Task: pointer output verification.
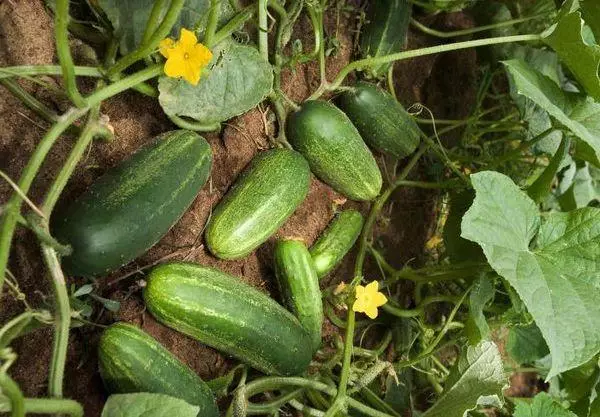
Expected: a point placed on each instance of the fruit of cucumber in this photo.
(334, 149)
(261, 200)
(229, 315)
(299, 286)
(385, 31)
(336, 241)
(381, 120)
(128, 209)
(133, 361)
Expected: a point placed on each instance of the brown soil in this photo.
(26, 35)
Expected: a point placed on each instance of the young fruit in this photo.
(229, 315)
(381, 120)
(334, 149)
(133, 361)
(128, 209)
(299, 286)
(336, 241)
(260, 201)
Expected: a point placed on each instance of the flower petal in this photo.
(175, 65)
(372, 312)
(379, 299)
(192, 73)
(201, 55)
(165, 45)
(372, 287)
(360, 290)
(187, 39)
(359, 305)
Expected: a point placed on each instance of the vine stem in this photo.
(263, 29)
(61, 27)
(48, 406)
(234, 24)
(213, 20)
(11, 390)
(399, 56)
(25, 70)
(153, 21)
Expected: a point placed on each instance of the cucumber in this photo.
(127, 210)
(334, 149)
(336, 241)
(385, 31)
(299, 286)
(381, 120)
(133, 361)
(229, 315)
(261, 200)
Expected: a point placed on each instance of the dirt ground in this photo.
(445, 84)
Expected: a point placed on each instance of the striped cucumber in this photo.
(133, 361)
(381, 120)
(260, 201)
(128, 209)
(299, 286)
(229, 315)
(334, 149)
(336, 241)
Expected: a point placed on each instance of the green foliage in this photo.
(554, 274)
(579, 186)
(147, 405)
(479, 374)
(481, 294)
(542, 406)
(237, 79)
(526, 344)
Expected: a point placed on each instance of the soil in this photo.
(445, 84)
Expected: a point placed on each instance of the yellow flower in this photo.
(186, 57)
(368, 299)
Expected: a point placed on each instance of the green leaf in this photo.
(579, 186)
(458, 248)
(591, 15)
(478, 376)
(237, 79)
(542, 186)
(559, 104)
(147, 405)
(582, 58)
(556, 276)
(481, 294)
(526, 344)
(129, 18)
(542, 406)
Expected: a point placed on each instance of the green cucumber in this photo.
(299, 286)
(336, 241)
(127, 210)
(261, 200)
(229, 315)
(385, 31)
(334, 149)
(133, 361)
(381, 120)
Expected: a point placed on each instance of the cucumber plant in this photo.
(515, 250)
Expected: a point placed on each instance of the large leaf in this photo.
(580, 185)
(591, 15)
(237, 79)
(556, 276)
(129, 18)
(526, 344)
(479, 374)
(147, 405)
(567, 108)
(583, 58)
(542, 406)
(457, 248)
(481, 294)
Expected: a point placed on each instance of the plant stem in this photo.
(370, 62)
(14, 394)
(28, 100)
(263, 29)
(61, 33)
(194, 125)
(24, 70)
(146, 49)
(316, 17)
(50, 406)
(464, 32)
(124, 84)
(213, 20)
(153, 20)
(234, 24)
(420, 309)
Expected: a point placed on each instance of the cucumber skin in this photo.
(299, 286)
(336, 241)
(265, 195)
(381, 120)
(127, 210)
(133, 361)
(334, 149)
(228, 315)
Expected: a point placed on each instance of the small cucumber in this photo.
(127, 210)
(229, 315)
(336, 241)
(299, 286)
(334, 149)
(133, 361)
(381, 120)
(385, 31)
(261, 200)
